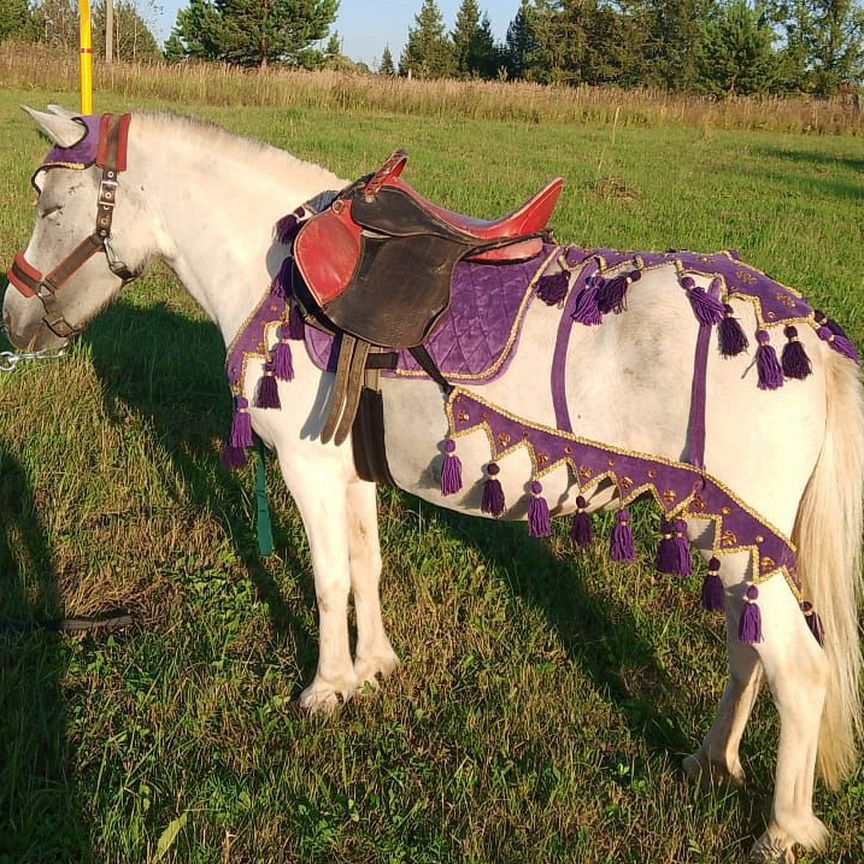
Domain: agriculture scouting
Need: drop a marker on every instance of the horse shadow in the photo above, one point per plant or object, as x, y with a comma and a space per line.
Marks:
168, 369
38, 811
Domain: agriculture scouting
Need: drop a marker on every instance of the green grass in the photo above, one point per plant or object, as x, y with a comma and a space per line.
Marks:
545, 700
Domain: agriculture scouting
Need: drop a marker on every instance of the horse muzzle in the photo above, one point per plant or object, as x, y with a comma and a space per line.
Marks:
23, 320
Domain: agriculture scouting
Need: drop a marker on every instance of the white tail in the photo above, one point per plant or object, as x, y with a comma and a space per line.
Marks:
828, 535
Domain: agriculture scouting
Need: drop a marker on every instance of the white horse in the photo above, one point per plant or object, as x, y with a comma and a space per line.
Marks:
206, 202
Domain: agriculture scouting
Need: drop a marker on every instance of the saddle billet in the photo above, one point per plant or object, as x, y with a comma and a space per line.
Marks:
377, 265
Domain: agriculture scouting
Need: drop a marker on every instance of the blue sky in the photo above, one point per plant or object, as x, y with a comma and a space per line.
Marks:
366, 26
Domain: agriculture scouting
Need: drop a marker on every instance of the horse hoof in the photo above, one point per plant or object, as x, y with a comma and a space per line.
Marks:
700, 769
370, 671
322, 697
771, 851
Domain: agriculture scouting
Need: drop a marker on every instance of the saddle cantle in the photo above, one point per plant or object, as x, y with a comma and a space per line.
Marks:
377, 266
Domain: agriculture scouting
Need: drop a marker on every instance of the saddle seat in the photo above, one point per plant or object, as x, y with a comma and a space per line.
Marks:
532, 217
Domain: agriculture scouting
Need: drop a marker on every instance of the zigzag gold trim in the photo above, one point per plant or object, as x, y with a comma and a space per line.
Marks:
681, 509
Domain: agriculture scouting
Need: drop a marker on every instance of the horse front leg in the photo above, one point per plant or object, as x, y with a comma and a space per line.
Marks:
374, 654
319, 488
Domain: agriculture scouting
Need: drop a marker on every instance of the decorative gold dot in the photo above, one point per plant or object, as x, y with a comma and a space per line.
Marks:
652, 473
760, 538
611, 463
568, 449
725, 511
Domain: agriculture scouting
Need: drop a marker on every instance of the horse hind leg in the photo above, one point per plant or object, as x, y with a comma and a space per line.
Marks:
796, 670
374, 655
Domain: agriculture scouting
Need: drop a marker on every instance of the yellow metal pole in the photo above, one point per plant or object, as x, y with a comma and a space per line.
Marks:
86, 59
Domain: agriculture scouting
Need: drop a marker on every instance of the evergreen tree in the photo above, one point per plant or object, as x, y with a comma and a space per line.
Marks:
428, 53
673, 44
520, 44
15, 19
387, 68
474, 49
737, 52
254, 32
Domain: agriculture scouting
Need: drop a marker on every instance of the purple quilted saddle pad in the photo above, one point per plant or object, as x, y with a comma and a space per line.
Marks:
477, 337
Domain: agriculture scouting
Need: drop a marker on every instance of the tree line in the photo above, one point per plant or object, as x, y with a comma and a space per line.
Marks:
55, 23
719, 47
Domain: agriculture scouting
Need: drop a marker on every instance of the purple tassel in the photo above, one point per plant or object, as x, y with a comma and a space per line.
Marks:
493, 494
268, 392
612, 293
841, 344
283, 364
706, 307
539, 523
451, 471
288, 226
713, 595
767, 364
623, 546
673, 554
732, 338
750, 625
553, 289
586, 310
284, 284
582, 528
241, 428
233, 457
795, 362
813, 622
296, 324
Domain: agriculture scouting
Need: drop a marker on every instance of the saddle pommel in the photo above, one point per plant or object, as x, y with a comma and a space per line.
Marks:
390, 170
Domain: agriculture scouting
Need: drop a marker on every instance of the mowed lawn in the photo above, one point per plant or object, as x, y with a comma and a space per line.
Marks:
545, 700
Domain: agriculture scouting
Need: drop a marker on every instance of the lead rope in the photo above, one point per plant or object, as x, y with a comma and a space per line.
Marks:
264, 526
9, 360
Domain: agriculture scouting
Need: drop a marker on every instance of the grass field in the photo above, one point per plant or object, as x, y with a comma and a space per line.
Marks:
545, 700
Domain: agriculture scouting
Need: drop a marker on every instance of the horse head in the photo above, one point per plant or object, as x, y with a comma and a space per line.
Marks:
83, 248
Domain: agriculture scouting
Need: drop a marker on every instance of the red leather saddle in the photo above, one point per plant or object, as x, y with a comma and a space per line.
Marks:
377, 265
394, 248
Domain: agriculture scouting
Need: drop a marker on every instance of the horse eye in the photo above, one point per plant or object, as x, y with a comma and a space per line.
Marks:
49, 210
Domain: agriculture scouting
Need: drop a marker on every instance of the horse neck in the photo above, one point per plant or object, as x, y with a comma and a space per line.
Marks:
214, 201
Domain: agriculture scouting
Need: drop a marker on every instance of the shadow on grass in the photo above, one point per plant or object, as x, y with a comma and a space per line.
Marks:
168, 369
38, 801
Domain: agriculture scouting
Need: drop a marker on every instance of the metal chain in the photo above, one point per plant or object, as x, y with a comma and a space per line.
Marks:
9, 360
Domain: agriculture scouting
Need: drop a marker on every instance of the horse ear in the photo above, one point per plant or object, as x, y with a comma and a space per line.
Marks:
61, 130
60, 111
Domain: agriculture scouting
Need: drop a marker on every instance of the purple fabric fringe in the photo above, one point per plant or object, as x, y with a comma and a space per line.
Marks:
539, 523
750, 625
767, 364
268, 393
732, 338
673, 553
233, 457
612, 293
586, 311
582, 527
713, 594
296, 324
493, 494
283, 362
241, 428
814, 623
451, 471
794, 360
553, 289
623, 547
707, 308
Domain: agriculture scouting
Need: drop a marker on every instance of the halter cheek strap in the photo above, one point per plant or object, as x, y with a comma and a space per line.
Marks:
111, 158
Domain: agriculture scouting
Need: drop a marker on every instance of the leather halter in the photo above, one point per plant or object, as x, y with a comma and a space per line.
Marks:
111, 158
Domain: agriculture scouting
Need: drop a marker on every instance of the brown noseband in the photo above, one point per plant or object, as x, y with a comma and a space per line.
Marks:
111, 158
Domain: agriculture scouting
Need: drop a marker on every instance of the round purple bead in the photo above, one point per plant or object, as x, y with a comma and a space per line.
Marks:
536, 488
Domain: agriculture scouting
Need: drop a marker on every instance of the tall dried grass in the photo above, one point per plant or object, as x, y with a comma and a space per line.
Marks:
218, 84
